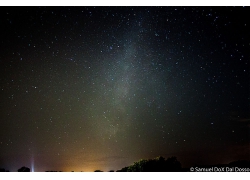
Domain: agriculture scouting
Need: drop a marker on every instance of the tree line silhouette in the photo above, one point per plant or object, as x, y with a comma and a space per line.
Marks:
158, 164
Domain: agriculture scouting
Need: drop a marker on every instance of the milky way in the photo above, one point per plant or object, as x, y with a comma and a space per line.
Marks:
86, 88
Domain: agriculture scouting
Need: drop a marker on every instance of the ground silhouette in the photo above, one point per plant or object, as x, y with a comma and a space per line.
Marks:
24, 169
158, 164
4, 170
98, 171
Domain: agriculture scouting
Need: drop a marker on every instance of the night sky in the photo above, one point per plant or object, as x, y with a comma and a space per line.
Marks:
87, 88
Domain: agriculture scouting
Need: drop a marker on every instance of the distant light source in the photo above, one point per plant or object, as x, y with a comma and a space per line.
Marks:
32, 164
32, 168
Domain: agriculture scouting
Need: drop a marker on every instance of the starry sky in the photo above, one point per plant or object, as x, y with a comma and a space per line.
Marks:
86, 88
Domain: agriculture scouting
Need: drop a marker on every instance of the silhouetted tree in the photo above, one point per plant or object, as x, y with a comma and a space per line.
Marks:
3, 170
98, 171
24, 169
125, 169
111, 171
173, 165
158, 164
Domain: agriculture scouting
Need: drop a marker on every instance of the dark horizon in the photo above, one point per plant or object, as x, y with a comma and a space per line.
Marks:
234, 166
86, 88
